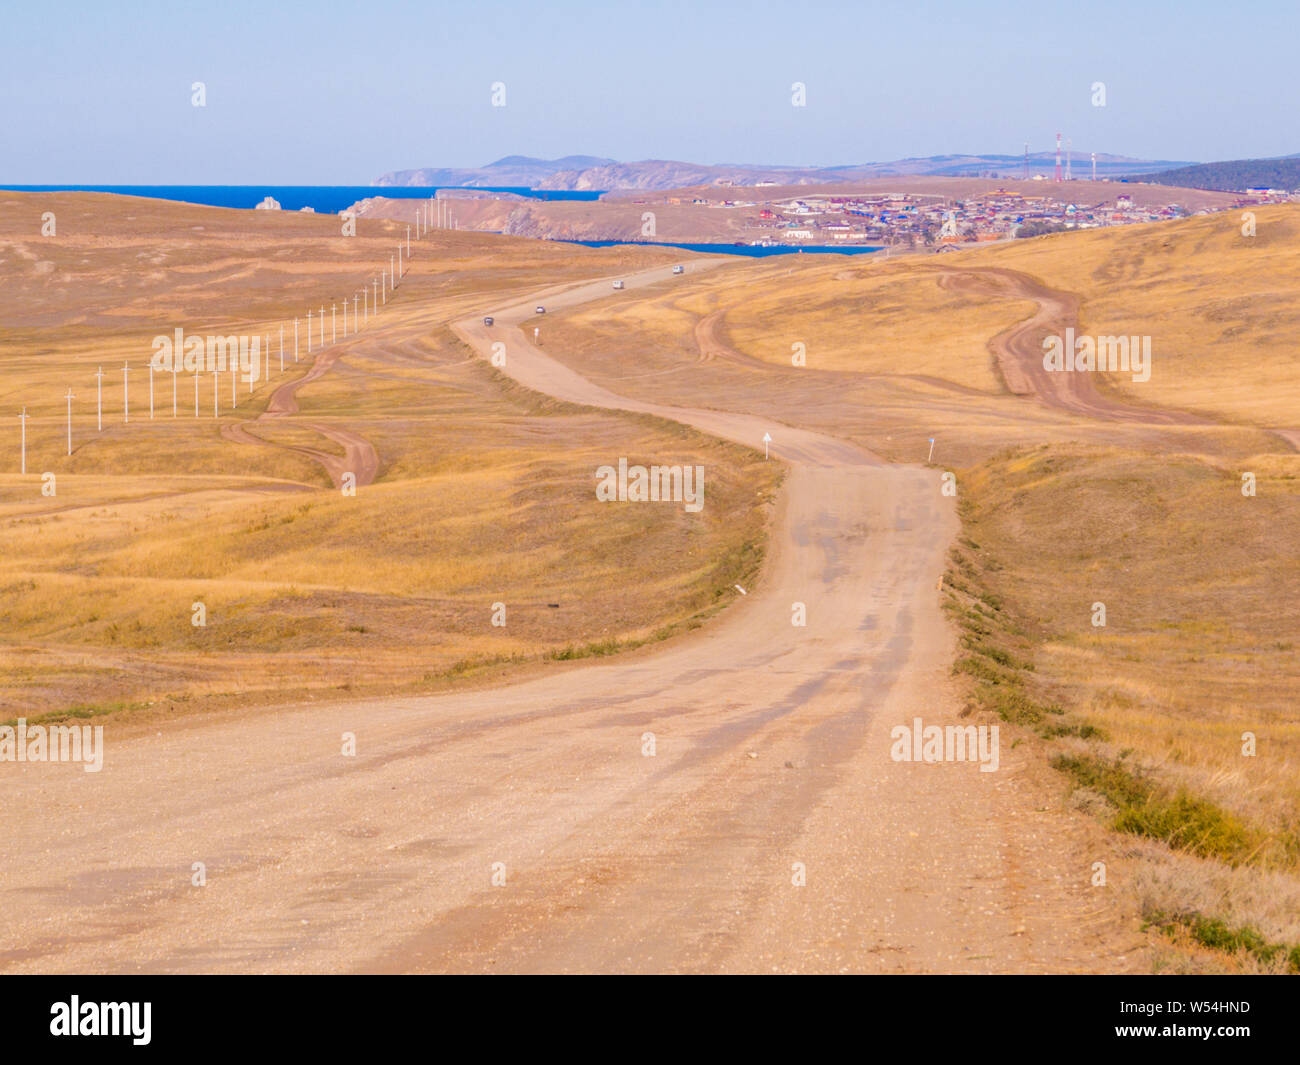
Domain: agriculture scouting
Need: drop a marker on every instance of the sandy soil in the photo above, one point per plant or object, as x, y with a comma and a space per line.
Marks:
771, 749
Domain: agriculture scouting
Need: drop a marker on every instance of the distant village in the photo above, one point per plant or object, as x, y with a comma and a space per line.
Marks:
941, 223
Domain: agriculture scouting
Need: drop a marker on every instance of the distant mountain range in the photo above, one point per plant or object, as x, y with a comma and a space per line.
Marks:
585, 172
1236, 175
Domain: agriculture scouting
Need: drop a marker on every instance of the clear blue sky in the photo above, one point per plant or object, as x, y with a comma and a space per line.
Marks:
339, 93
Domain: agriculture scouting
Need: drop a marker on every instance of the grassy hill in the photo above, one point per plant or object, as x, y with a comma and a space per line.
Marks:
1236, 175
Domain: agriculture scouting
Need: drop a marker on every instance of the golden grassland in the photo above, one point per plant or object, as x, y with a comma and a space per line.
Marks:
1152, 713
893, 357
1220, 306
1201, 584
484, 494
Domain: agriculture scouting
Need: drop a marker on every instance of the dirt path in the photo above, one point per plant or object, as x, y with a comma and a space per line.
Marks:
359, 456
1019, 350
771, 755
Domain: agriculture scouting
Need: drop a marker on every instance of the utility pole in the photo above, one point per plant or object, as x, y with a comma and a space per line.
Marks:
309, 332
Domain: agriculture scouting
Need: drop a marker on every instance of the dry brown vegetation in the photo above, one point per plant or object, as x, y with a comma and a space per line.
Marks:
484, 492
1146, 715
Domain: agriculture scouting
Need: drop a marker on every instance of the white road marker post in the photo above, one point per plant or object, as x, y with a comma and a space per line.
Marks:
22, 420
931, 455
767, 441
99, 399
69, 397
126, 392
309, 332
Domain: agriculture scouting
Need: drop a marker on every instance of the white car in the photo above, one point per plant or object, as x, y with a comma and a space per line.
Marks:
488, 320
618, 284
679, 269
539, 309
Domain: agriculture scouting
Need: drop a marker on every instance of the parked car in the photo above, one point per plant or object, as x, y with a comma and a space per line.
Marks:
679, 269
488, 320
540, 309
618, 284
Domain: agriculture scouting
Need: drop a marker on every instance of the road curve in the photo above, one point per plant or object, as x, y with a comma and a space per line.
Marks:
1019, 350
359, 456
725, 803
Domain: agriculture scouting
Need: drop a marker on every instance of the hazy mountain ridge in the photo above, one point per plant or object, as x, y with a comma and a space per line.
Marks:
1236, 175
582, 172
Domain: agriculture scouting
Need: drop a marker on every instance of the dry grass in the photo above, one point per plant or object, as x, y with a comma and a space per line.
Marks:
485, 492
1220, 307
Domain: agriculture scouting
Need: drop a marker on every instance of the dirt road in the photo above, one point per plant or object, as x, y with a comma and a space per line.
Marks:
656, 812
1019, 350
359, 456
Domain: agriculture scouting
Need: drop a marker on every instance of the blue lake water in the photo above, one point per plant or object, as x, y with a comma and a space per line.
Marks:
753, 250
326, 199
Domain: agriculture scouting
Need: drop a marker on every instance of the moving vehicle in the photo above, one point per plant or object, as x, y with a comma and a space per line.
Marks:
539, 309
618, 284
488, 320
679, 269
